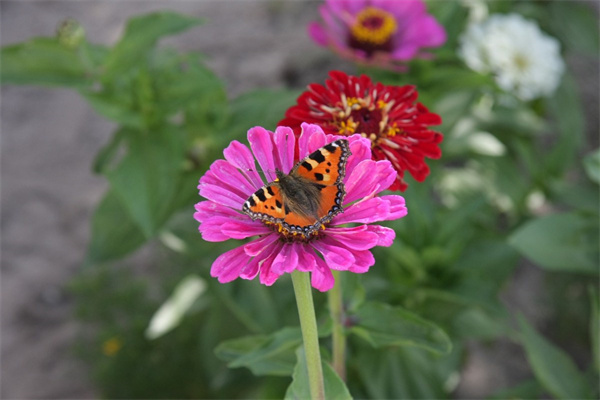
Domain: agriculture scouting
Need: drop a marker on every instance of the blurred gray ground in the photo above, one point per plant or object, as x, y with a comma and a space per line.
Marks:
50, 136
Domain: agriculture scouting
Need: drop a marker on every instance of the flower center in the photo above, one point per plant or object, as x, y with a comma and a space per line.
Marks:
372, 31
521, 62
366, 117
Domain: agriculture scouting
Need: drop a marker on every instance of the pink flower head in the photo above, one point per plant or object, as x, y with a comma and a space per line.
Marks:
230, 182
377, 32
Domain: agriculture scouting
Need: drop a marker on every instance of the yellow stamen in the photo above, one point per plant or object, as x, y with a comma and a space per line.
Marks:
352, 101
381, 104
347, 127
393, 130
374, 25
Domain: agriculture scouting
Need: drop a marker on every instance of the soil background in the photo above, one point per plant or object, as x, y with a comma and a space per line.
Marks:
50, 136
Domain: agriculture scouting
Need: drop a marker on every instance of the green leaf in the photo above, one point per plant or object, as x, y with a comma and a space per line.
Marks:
558, 242
114, 107
591, 163
141, 34
263, 355
258, 107
335, 388
114, 233
147, 177
405, 373
551, 366
108, 153
582, 33
382, 325
190, 83
565, 107
42, 61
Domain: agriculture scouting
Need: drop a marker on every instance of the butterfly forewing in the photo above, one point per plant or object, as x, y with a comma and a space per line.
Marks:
327, 165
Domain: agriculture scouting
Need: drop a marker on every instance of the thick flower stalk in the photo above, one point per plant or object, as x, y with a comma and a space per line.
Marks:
523, 60
274, 251
377, 32
389, 117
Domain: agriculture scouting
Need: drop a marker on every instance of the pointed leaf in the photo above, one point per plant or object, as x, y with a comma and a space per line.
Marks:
147, 177
263, 355
335, 388
42, 61
114, 233
558, 242
383, 325
551, 366
141, 35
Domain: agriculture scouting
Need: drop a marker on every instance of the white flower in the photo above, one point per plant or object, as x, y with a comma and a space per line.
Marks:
522, 58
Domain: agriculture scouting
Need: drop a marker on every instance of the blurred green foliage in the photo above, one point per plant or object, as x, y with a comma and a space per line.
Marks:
410, 317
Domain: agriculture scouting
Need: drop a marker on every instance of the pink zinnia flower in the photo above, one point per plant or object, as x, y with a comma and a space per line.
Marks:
377, 31
229, 183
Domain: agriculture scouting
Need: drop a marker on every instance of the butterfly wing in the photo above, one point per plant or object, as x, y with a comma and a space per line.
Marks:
326, 168
268, 204
311, 195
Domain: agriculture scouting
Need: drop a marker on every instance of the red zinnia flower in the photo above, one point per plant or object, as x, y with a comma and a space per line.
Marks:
387, 115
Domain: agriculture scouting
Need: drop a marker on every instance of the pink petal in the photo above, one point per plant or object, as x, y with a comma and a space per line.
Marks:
227, 173
335, 256
228, 265
321, 277
267, 275
363, 261
306, 257
253, 267
210, 209
317, 33
385, 235
397, 207
240, 157
222, 196
424, 31
243, 229
356, 238
257, 246
311, 139
250, 270
368, 178
360, 148
365, 212
262, 147
210, 178
286, 260
284, 144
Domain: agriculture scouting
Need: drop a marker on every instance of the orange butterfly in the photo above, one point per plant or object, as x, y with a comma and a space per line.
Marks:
310, 196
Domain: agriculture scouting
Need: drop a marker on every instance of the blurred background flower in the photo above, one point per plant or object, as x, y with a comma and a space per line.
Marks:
523, 60
377, 32
389, 116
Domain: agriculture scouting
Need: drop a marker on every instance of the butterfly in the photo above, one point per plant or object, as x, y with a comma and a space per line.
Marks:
308, 197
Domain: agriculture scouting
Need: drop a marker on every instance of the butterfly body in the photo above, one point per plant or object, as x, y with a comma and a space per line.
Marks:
306, 198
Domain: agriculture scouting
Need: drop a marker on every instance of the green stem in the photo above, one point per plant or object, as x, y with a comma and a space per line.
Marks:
310, 336
337, 313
